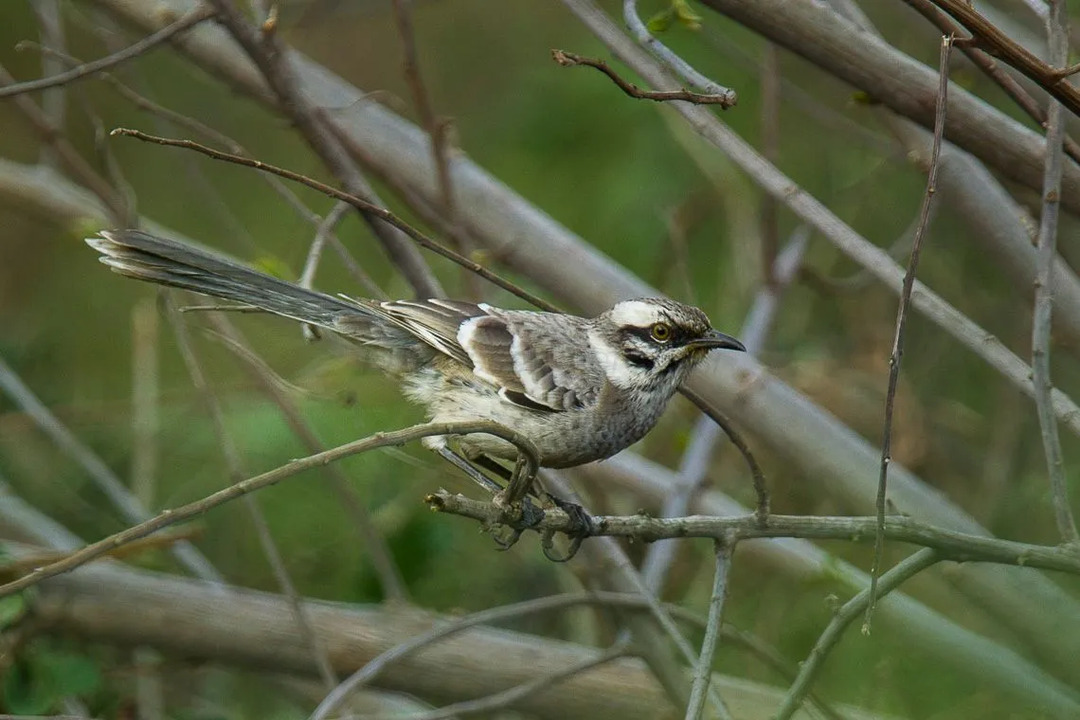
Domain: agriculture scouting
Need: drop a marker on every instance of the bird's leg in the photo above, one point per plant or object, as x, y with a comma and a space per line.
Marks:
467, 467
531, 515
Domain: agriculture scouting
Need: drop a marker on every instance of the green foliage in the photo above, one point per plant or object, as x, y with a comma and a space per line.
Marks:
679, 11
44, 675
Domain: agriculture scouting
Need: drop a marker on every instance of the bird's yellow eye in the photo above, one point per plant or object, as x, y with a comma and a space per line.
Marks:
661, 332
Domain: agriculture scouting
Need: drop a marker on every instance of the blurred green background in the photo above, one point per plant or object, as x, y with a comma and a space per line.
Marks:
625, 175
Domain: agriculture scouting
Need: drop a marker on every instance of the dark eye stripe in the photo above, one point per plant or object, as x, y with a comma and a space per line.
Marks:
676, 336
638, 359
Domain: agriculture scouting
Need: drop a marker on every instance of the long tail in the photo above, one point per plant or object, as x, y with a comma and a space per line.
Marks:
154, 259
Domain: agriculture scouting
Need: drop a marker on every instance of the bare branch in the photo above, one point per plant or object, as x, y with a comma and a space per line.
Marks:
949, 544
703, 668
679, 66
1044, 289
569, 59
188, 21
901, 323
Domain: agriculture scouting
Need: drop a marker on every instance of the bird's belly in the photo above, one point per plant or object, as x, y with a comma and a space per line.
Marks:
562, 439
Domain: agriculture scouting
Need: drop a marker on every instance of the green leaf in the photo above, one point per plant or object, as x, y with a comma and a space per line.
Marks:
661, 21
686, 15
73, 674
12, 609
27, 691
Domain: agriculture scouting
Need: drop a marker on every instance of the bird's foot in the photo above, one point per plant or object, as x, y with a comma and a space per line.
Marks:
580, 526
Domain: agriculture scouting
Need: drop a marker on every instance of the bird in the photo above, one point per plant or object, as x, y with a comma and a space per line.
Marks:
580, 389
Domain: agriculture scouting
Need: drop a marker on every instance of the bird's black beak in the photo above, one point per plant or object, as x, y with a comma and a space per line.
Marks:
714, 339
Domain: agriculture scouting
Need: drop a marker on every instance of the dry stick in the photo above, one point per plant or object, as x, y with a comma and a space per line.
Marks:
904, 570
679, 66
991, 69
569, 59
273, 59
169, 517
190, 20
96, 468
358, 203
322, 233
390, 579
901, 324
1044, 291
988, 35
311, 264
237, 473
949, 544
703, 669
761, 487
770, 148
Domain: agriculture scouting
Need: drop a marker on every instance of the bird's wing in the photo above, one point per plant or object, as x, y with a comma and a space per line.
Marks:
532, 359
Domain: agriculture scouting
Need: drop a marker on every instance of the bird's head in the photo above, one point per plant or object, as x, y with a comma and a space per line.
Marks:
653, 343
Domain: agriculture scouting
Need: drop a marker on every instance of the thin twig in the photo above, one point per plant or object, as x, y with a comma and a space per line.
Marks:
96, 469
761, 487
679, 66
359, 203
703, 669
190, 20
569, 59
322, 234
169, 517
1044, 291
770, 148
808, 671
901, 322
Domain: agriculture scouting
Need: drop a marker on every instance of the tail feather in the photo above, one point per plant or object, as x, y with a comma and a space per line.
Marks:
146, 257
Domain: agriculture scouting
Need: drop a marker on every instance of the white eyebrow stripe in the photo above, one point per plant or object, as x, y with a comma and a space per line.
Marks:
636, 313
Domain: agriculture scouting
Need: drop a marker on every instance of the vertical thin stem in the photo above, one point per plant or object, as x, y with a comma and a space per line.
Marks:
703, 669
1044, 291
901, 321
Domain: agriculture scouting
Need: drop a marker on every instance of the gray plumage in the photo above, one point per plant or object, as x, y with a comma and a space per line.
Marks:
581, 389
